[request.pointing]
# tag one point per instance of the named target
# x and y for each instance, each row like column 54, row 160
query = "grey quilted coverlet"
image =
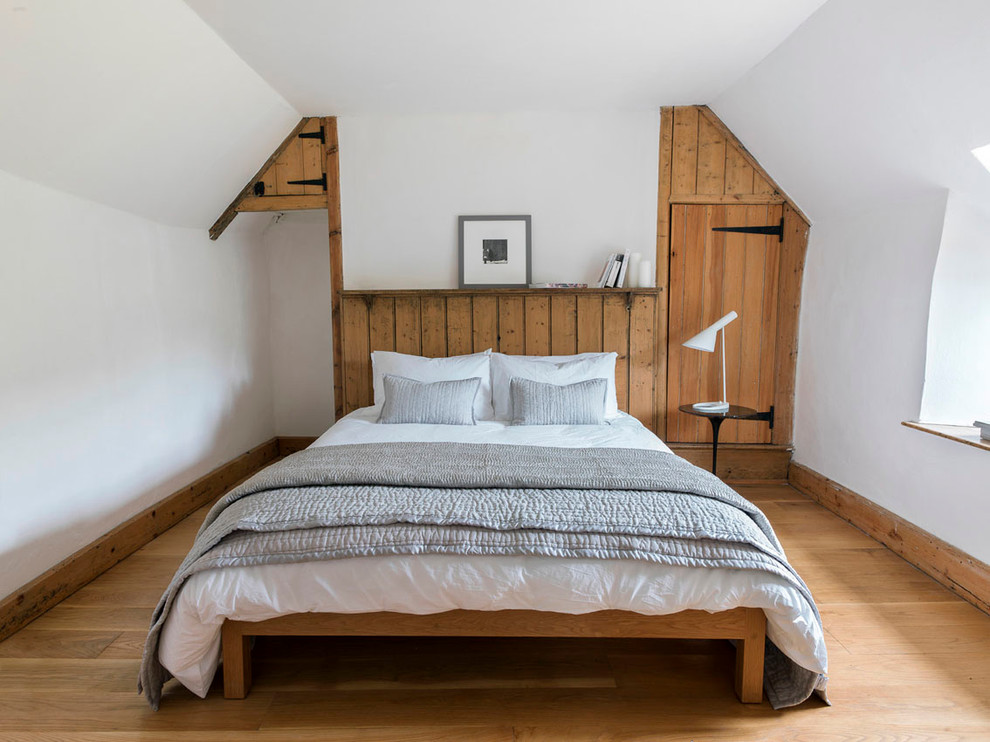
column 487, row 499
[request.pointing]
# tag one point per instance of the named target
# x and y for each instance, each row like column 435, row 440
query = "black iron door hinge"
column 314, row 135
column 321, row 181
column 773, row 230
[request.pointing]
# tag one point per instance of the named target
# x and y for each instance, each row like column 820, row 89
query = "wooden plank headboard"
column 518, row 321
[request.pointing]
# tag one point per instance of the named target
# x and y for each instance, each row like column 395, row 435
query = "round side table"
column 735, row 412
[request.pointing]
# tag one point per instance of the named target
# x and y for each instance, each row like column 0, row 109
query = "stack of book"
column 614, row 273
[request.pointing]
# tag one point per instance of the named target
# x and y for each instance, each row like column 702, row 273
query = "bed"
column 213, row 611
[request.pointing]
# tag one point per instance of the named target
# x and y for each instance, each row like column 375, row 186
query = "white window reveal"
column 957, row 384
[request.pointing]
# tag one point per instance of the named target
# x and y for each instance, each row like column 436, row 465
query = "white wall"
column 302, row 365
column 588, row 180
column 957, row 384
column 133, row 358
column 861, row 368
column 866, row 116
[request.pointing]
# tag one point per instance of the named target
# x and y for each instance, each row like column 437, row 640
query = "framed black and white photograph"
column 494, row 251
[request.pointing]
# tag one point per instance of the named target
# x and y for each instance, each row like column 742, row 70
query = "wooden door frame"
column 792, row 256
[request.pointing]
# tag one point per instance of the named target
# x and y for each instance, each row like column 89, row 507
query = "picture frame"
column 494, row 252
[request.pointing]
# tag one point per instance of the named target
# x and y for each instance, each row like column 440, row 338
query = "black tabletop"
column 735, row 412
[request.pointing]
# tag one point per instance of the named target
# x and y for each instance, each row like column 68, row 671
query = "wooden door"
column 712, row 273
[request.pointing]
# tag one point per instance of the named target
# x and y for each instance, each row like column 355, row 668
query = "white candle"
column 646, row 278
column 632, row 275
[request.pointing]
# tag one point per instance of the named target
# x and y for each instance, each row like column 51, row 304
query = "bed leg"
column 749, row 658
column 236, row 661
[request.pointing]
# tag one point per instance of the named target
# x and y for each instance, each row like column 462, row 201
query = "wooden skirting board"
column 288, row 444
column 739, row 462
column 969, row 578
column 24, row 605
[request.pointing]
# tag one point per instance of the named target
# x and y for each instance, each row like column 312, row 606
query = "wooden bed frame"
column 745, row 625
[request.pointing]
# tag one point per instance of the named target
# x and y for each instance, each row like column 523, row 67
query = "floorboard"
column 910, row 662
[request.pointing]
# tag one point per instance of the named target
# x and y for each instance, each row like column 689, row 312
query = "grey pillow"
column 539, row 403
column 436, row 403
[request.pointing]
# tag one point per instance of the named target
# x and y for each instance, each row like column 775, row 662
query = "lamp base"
column 711, row 406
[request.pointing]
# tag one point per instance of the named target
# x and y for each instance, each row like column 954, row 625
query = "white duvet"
column 190, row 639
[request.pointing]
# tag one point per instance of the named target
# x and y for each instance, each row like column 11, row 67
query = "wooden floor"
column 908, row 661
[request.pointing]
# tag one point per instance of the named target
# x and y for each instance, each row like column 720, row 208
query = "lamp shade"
column 705, row 340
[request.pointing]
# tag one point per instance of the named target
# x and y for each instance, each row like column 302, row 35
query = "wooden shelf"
column 496, row 292
column 959, row 433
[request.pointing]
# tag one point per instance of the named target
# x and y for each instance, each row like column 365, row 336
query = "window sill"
column 961, row 433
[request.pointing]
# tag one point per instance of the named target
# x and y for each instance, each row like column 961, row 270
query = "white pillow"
column 419, row 368
column 559, row 370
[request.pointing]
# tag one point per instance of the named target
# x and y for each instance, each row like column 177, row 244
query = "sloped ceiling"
column 871, row 102
column 461, row 56
column 137, row 105
column 145, row 107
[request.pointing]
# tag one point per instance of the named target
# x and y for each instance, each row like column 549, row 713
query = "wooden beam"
column 967, row 577
column 726, row 198
column 710, row 116
column 662, row 262
column 332, row 162
column 789, row 279
column 282, row 203
column 231, row 211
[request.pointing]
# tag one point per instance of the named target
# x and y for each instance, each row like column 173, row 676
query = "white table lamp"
column 705, row 340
